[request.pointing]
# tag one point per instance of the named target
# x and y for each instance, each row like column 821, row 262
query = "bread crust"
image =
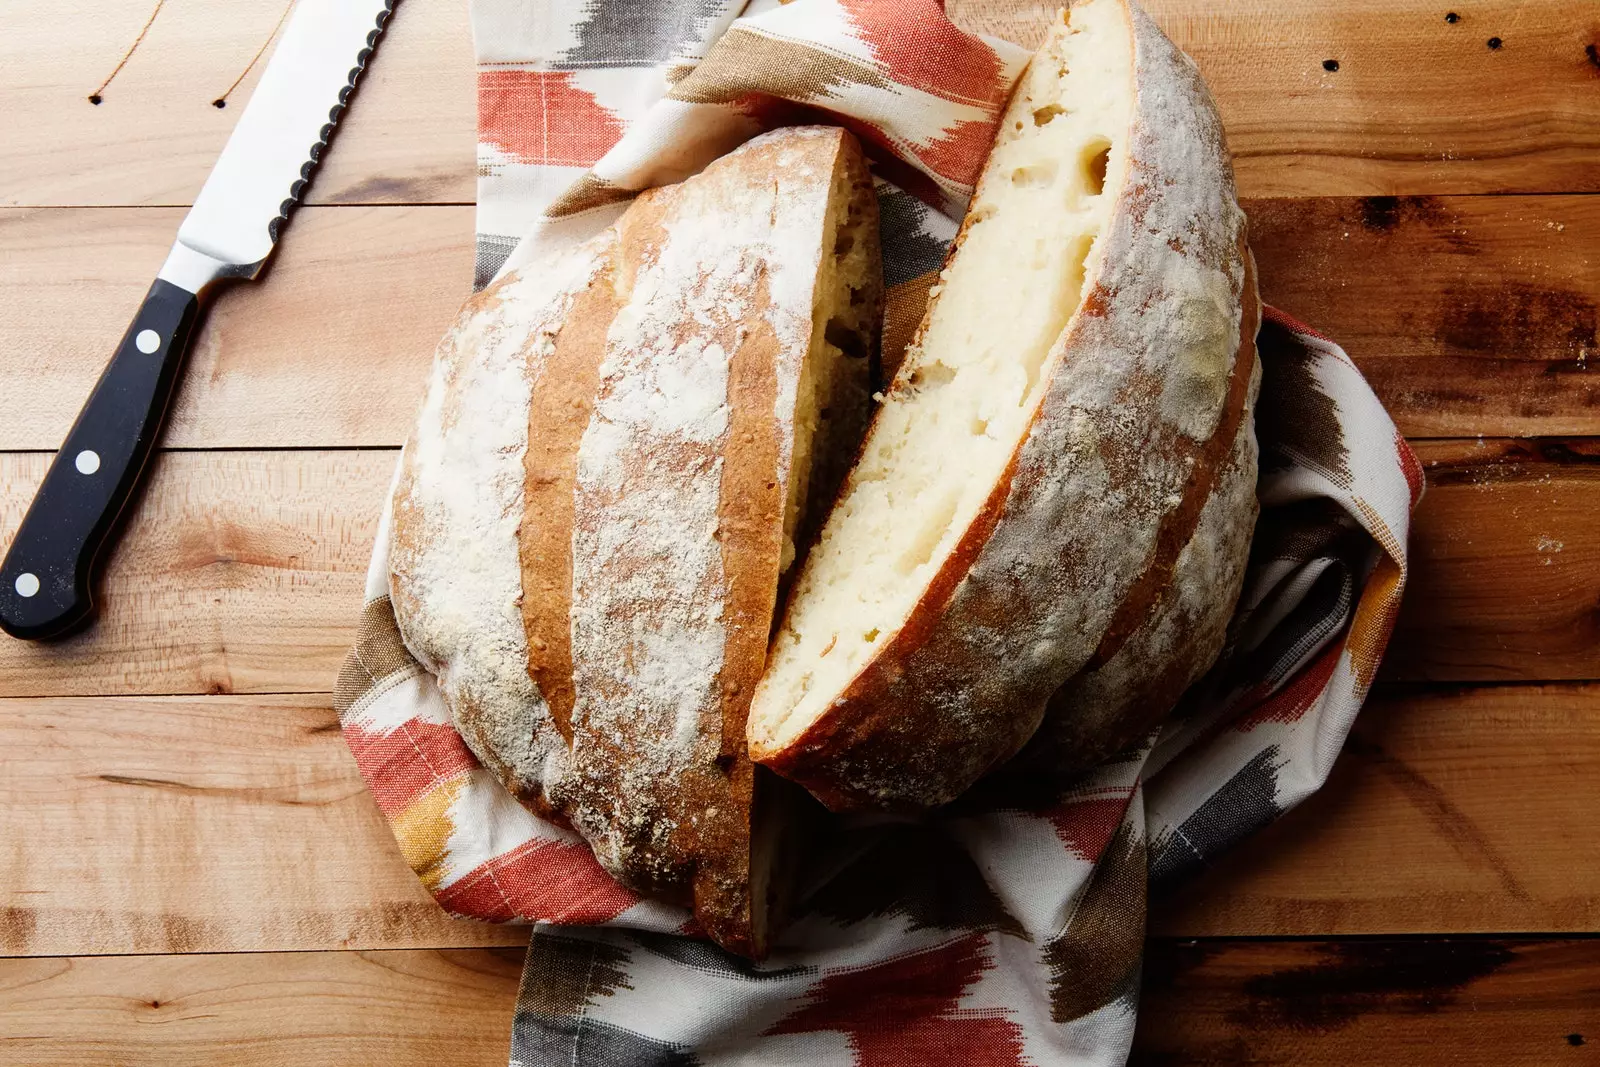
column 657, row 476
column 1123, row 695
column 1145, row 391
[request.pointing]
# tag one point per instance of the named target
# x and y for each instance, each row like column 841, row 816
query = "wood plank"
column 200, row 824
column 1449, row 811
column 228, row 823
column 239, row 572
column 243, row 571
column 1310, row 1004
column 1469, row 315
column 1506, row 564
column 1465, row 1003
column 311, row 1009
column 408, row 137
column 1417, row 105
column 331, row 348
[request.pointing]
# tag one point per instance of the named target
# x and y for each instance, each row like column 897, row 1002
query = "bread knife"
column 45, row 581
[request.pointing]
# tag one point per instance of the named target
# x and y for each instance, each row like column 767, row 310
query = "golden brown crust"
column 749, row 519
column 617, row 572
column 1208, row 459
column 1123, row 695
column 454, row 575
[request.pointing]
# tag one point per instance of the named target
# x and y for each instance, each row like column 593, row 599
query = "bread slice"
column 1048, row 445
column 685, row 414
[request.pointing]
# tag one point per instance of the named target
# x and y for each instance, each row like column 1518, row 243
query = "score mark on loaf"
column 626, row 448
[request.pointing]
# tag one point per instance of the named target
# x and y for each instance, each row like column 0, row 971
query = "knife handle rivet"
column 87, row 461
column 27, row 584
column 147, row 341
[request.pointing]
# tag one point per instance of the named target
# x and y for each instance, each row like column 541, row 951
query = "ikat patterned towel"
column 980, row 937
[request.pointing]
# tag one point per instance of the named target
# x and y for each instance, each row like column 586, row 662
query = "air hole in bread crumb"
column 931, row 530
column 1096, row 158
column 849, row 341
column 1043, row 115
column 980, row 427
column 932, row 375
column 870, row 636
column 1035, row 175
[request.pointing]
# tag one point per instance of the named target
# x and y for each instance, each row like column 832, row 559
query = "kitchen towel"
column 984, row 935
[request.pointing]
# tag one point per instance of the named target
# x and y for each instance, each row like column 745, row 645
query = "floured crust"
column 659, row 465
column 1146, row 390
column 1117, row 700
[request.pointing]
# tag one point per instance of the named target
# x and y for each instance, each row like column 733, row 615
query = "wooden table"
column 192, row 871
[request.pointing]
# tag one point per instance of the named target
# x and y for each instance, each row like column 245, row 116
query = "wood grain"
column 330, row 348
column 1467, row 1003
column 1506, row 564
column 237, row 824
column 311, row 1009
column 1463, row 810
column 199, row 824
column 1468, row 314
column 239, row 572
column 1417, row 105
column 407, row 138
column 232, row 823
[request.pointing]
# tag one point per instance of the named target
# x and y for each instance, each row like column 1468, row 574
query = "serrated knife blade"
column 45, row 579
column 277, row 142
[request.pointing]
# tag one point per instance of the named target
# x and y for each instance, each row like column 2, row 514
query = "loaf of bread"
column 623, row 442
column 1057, row 478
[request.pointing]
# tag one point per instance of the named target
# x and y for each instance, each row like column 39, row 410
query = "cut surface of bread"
column 688, row 407
column 971, row 384
column 1047, row 445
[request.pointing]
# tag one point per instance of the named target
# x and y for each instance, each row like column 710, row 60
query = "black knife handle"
column 45, row 587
